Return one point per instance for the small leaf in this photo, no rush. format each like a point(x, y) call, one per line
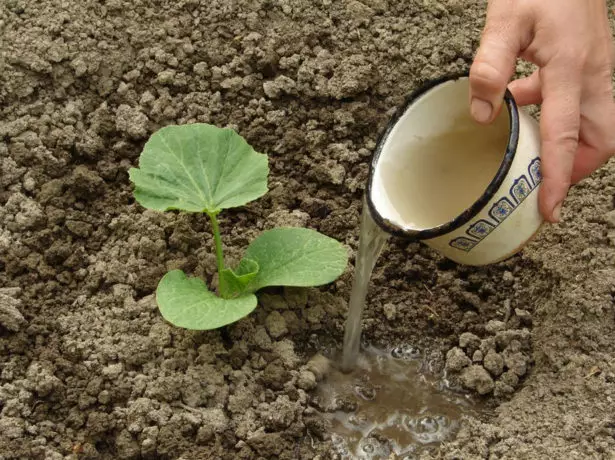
point(186, 302)
point(198, 168)
point(233, 284)
point(295, 257)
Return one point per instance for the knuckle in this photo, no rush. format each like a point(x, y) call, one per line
point(557, 181)
point(573, 57)
point(602, 63)
point(485, 74)
point(564, 182)
point(568, 138)
point(494, 27)
point(564, 143)
point(583, 54)
point(555, 176)
point(568, 143)
point(570, 53)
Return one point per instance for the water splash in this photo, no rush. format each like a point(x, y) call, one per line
point(390, 404)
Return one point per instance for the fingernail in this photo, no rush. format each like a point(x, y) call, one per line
point(557, 212)
point(481, 110)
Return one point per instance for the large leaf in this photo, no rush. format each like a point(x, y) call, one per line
point(198, 168)
point(186, 302)
point(234, 283)
point(295, 257)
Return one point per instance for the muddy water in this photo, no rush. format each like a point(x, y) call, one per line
point(371, 242)
point(390, 404)
point(384, 402)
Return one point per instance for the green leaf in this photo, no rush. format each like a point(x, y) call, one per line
point(186, 302)
point(198, 168)
point(233, 284)
point(295, 257)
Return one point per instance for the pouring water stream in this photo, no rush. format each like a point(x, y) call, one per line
point(371, 242)
point(400, 408)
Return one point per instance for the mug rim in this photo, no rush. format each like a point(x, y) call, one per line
point(470, 212)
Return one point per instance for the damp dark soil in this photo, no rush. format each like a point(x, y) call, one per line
point(90, 370)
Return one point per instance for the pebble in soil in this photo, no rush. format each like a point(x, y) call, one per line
point(390, 404)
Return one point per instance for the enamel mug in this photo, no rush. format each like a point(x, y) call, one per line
point(467, 190)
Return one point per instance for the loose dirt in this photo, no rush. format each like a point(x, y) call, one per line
point(90, 370)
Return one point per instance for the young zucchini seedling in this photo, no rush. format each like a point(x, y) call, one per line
point(202, 168)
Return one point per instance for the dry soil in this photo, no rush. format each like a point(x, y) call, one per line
point(89, 369)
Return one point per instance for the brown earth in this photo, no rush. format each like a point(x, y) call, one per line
point(89, 369)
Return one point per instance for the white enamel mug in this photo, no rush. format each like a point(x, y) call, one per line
point(467, 190)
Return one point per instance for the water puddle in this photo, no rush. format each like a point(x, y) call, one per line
point(390, 406)
point(384, 403)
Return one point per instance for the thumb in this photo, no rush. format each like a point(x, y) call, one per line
point(495, 59)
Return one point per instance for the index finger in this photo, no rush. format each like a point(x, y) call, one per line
point(503, 37)
point(559, 128)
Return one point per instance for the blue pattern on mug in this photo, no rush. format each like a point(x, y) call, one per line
point(534, 172)
point(502, 209)
point(480, 229)
point(463, 243)
point(521, 188)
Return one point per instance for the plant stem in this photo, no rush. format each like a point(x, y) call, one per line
point(218, 241)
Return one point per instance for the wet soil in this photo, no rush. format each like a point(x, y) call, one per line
point(89, 369)
point(391, 403)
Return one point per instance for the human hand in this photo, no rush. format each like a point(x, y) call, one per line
point(570, 42)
